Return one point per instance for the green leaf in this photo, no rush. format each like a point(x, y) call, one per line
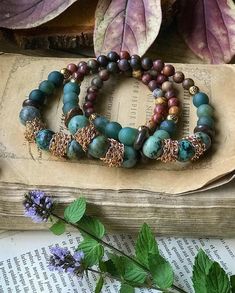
point(118, 263)
point(92, 249)
point(232, 281)
point(161, 271)
point(217, 281)
point(74, 212)
point(108, 267)
point(201, 268)
point(145, 244)
point(58, 228)
point(125, 288)
point(99, 285)
point(92, 225)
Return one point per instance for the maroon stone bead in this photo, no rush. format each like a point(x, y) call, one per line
point(124, 55)
point(152, 85)
point(29, 102)
point(206, 129)
point(91, 97)
point(158, 65)
point(161, 109)
point(87, 105)
point(78, 76)
point(161, 78)
point(157, 118)
point(89, 111)
point(92, 89)
point(168, 70)
point(104, 74)
point(146, 78)
point(82, 63)
point(72, 67)
point(84, 69)
point(124, 65)
point(173, 102)
point(170, 94)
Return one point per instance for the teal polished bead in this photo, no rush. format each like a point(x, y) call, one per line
point(200, 99)
point(37, 96)
point(56, 77)
point(74, 150)
point(206, 120)
point(112, 129)
point(28, 113)
point(100, 123)
point(204, 138)
point(98, 147)
point(69, 106)
point(127, 135)
point(70, 97)
point(43, 138)
point(47, 87)
point(77, 122)
point(185, 150)
point(130, 157)
point(205, 110)
point(169, 126)
point(161, 134)
point(152, 147)
point(72, 87)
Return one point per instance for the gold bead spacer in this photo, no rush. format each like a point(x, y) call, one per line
point(66, 73)
point(160, 100)
point(173, 118)
point(137, 74)
point(193, 90)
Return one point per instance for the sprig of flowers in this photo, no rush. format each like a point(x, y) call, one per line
point(147, 269)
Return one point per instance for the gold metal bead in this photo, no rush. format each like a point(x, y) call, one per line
point(193, 90)
point(160, 100)
point(173, 118)
point(66, 73)
point(137, 74)
point(92, 117)
point(174, 110)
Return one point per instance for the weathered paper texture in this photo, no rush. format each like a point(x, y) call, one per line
point(124, 100)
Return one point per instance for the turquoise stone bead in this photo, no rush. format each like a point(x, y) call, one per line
point(43, 138)
point(127, 135)
point(70, 97)
point(68, 106)
point(204, 138)
point(47, 87)
point(206, 120)
point(74, 150)
point(186, 150)
point(169, 126)
point(200, 98)
point(112, 129)
point(37, 96)
point(28, 113)
point(98, 147)
point(161, 134)
point(77, 122)
point(100, 123)
point(205, 110)
point(130, 157)
point(72, 87)
point(152, 147)
point(56, 77)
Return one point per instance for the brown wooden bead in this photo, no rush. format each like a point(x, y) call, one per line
point(73, 112)
point(168, 70)
point(187, 83)
point(104, 74)
point(167, 85)
point(124, 55)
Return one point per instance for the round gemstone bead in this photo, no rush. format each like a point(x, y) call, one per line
point(158, 65)
point(152, 147)
point(152, 85)
point(74, 150)
point(173, 102)
point(161, 134)
point(103, 60)
point(100, 123)
point(178, 77)
point(187, 83)
point(168, 70)
point(186, 150)
point(158, 93)
point(72, 67)
point(56, 78)
point(143, 134)
point(161, 78)
point(97, 82)
point(104, 74)
point(69, 106)
point(112, 129)
point(206, 129)
point(146, 63)
point(37, 96)
point(205, 138)
point(124, 55)
point(98, 147)
point(47, 87)
point(206, 120)
point(135, 63)
point(146, 78)
point(28, 113)
point(174, 110)
point(70, 97)
point(72, 87)
point(169, 126)
point(127, 135)
point(77, 122)
point(113, 56)
point(130, 157)
point(43, 138)
point(124, 65)
point(29, 102)
point(167, 85)
point(205, 110)
point(112, 67)
point(200, 99)
point(93, 65)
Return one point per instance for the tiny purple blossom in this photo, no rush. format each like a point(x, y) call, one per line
point(38, 206)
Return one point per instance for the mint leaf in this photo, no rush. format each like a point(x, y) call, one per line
point(58, 228)
point(145, 244)
point(125, 288)
point(92, 249)
point(74, 212)
point(118, 263)
point(108, 267)
point(201, 268)
point(232, 281)
point(99, 285)
point(217, 281)
point(92, 225)
point(161, 271)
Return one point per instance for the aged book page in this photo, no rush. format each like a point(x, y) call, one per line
point(127, 101)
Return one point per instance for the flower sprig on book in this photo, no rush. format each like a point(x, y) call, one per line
point(146, 269)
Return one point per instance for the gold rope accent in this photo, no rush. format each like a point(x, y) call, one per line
point(198, 146)
point(114, 155)
point(170, 150)
point(85, 135)
point(59, 144)
point(31, 129)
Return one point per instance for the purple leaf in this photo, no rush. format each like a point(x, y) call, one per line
point(129, 25)
point(17, 14)
point(208, 27)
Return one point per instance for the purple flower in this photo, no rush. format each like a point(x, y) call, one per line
point(62, 260)
point(38, 206)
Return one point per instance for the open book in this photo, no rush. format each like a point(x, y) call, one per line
point(152, 192)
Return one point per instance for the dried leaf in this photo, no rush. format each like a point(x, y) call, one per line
point(128, 25)
point(17, 14)
point(208, 28)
